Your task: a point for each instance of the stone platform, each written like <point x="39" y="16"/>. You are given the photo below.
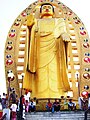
<point x="61" y="115"/>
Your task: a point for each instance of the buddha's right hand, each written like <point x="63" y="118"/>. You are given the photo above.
<point x="65" y="37"/>
<point x="30" y="20"/>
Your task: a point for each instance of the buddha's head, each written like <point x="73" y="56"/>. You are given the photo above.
<point x="46" y="10"/>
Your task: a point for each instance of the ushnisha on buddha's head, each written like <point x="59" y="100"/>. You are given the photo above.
<point x="46" y="10"/>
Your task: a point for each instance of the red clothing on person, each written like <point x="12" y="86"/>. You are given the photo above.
<point x="13" y="115"/>
<point x="23" y="100"/>
<point x="49" y="105"/>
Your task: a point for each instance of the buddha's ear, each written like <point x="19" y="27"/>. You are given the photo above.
<point x="30" y="20"/>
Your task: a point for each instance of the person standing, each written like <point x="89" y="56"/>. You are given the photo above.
<point x="80" y="102"/>
<point x="13" y="110"/>
<point x="0" y="103"/>
<point x="22" y="102"/>
<point x="4" y="101"/>
<point x="13" y="96"/>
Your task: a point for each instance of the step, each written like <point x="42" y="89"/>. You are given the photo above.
<point x="66" y="115"/>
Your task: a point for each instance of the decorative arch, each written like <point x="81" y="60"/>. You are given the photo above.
<point x="79" y="55"/>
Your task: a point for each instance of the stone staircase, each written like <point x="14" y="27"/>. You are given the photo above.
<point x="61" y="115"/>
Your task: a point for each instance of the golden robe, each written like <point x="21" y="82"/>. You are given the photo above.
<point x="46" y="73"/>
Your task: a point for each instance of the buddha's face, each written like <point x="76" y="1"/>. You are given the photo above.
<point x="47" y="10"/>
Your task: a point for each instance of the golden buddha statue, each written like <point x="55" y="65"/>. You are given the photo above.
<point x="46" y="65"/>
<point x="49" y="44"/>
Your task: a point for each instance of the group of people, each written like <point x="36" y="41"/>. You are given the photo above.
<point x="26" y="105"/>
<point x="84" y="104"/>
<point x="53" y="106"/>
<point x="12" y="105"/>
<point x="8" y="104"/>
<point x="18" y="106"/>
<point x="56" y="105"/>
<point x="30" y="106"/>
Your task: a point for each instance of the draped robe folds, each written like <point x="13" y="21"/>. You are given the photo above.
<point x="46" y="74"/>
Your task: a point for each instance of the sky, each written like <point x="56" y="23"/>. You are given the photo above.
<point x="9" y="11"/>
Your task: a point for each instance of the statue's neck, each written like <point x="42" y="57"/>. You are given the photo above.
<point x="47" y="17"/>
